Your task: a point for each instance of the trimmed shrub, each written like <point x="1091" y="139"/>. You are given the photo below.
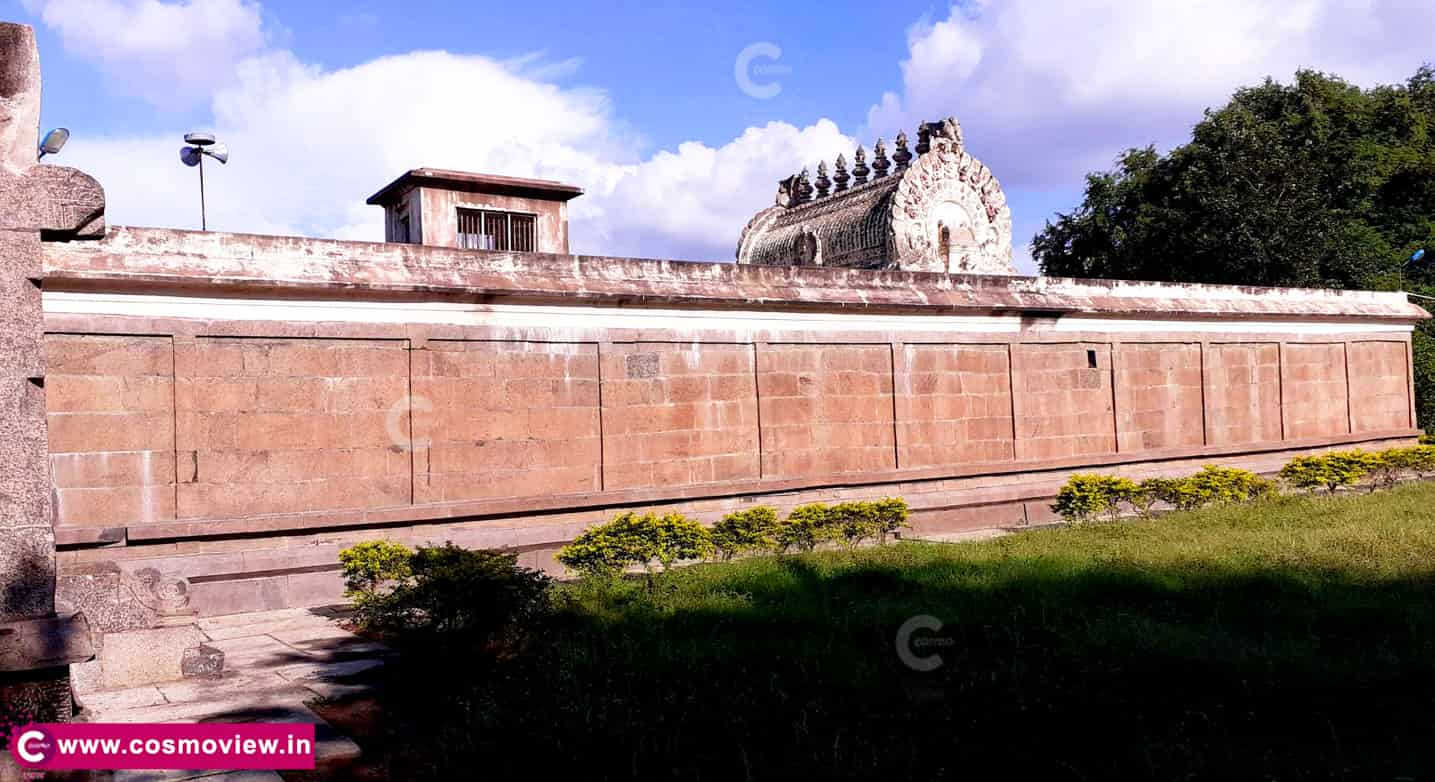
<point x="1330" y="471"/>
<point x="677" y="537"/>
<point x="1421" y="459"/>
<point x="1216" y="485"/>
<point x="442" y="596"/>
<point x="1397" y="462"/>
<point x="891" y="515"/>
<point x="468" y="597"/>
<point x="605" y="550"/>
<point x="1086" y="495"/>
<point x="1179" y="493"/>
<point x="852" y="523"/>
<point x="1427" y="439"/>
<point x="372" y="569"/>
<point x="748" y="531"/>
<point x="805" y="527"/>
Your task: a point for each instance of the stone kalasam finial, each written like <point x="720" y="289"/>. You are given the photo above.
<point x="840" y="176"/>
<point x="924" y="138"/>
<point x="859" y="167"/>
<point x="804" y="188"/>
<point x="823" y="183"/>
<point x="902" y="157"/>
<point x="880" y="163"/>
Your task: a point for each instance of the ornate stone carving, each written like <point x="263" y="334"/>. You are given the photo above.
<point x="943" y="212"/>
<point x="949" y="214"/>
<point x="787" y="191"/>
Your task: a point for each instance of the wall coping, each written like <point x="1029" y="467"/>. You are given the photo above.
<point x="160" y="260"/>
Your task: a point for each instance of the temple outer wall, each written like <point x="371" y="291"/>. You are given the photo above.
<point x="232" y="410"/>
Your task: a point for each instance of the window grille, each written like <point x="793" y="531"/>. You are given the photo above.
<point x="482" y="229"/>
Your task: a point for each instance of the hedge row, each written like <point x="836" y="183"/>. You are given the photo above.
<point x="1086" y="496"/>
<point x="655" y="542"/>
<point x="1333" y="471"/>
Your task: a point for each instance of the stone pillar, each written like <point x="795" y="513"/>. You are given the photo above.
<point x="38" y="203"/>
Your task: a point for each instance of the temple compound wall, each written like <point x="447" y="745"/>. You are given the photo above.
<point x="226" y="411"/>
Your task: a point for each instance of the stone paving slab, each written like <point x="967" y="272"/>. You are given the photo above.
<point x="275" y="663"/>
<point x="306" y="633"/>
<point x="232" y="684"/>
<point x="319" y="624"/>
<point x="327" y="670"/>
<point x="118" y="700"/>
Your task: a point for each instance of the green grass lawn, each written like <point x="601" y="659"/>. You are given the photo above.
<point x="1289" y="640"/>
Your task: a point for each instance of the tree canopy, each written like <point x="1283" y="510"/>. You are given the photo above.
<point x="1318" y="183"/>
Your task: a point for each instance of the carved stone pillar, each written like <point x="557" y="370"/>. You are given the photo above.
<point x="37" y="204"/>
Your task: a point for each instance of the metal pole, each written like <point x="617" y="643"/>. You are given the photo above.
<point x="203" y="221"/>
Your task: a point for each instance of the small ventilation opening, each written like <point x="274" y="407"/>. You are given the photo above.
<point x="1091" y="359"/>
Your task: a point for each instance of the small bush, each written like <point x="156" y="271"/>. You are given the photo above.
<point x="1330" y="471"/>
<point x="1427" y="439"/>
<point x="1179" y="493"/>
<point x="1421" y="459"/>
<point x="891" y="515"/>
<point x="605" y="550"/>
<point x="676" y="537"/>
<point x="1395" y="463"/>
<point x="748" y="531"/>
<point x="854" y="522"/>
<point x="1086" y="495"/>
<point x="806" y="527"/>
<point x="372" y="569"/>
<point x="441" y="595"/>
<point x="1387" y="468"/>
<point x="468" y="597"/>
<point x="1216" y="485"/>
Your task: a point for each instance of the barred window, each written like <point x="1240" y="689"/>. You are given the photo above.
<point x="481" y="229"/>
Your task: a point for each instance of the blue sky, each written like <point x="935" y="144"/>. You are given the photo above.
<point x="642" y="103"/>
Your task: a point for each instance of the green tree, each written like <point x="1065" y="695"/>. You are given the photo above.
<point x="1317" y="183"/>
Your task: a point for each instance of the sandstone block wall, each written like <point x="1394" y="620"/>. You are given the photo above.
<point x="147" y="429"/>
<point x="240" y="438"/>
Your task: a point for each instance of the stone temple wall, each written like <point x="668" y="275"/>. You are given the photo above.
<point x="232" y="410"/>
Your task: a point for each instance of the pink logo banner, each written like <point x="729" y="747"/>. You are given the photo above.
<point x="213" y="746"/>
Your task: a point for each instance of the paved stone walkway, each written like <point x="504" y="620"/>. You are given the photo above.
<point x="274" y="663"/>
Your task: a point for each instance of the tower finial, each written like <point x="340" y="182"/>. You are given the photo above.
<point x="902" y="157"/>
<point x="804" y="188"/>
<point x="823" y="183"/>
<point x="924" y="138"/>
<point x="859" y="167"/>
<point x="880" y="163"/>
<point x="840" y="176"/>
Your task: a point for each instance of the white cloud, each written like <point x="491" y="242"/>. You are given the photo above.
<point x="1047" y="91"/>
<point x="167" y="53"/>
<point x="309" y="145"/>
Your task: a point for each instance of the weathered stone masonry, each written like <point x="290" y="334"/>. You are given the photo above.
<point x="232" y="409"/>
<point x="38" y="205"/>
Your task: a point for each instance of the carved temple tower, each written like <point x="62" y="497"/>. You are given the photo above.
<point x="941" y="210"/>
